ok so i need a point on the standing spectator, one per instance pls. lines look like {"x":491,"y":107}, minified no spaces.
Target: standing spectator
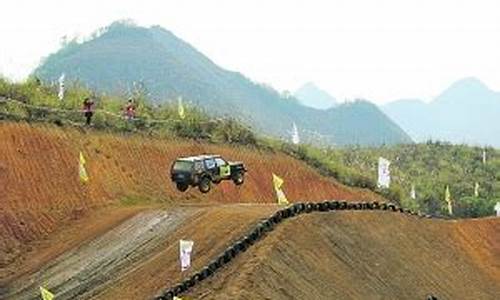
{"x":130,"y":110}
{"x":88,"y":110}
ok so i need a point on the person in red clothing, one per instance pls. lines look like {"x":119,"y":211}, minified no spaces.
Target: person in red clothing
{"x":88,"y":110}
{"x":130,"y":110}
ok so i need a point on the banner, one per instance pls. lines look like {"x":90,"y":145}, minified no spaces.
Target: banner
{"x":484,"y":156}
{"x":476,"y":190}
{"x":186,"y":247}
{"x":384,"y":176}
{"x":61,"y":87}
{"x":295,"y":135}
{"x":413,"y":195}
{"x":82,"y":172}
{"x":182,"y":115}
{"x":497,"y":208}
{"x":46,"y":295}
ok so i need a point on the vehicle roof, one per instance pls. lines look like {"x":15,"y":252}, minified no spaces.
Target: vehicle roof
{"x":198,"y":157}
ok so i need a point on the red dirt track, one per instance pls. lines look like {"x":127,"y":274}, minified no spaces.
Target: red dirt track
{"x":117,"y":237}
{"x":40,"y":189}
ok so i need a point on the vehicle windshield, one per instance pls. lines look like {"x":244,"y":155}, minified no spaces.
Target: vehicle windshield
{"x":183,"y":165}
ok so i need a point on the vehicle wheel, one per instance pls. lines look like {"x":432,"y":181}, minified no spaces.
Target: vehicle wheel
{"x":238,"y":178}
{"x":204,"y":185}
{"x":182,"y":186}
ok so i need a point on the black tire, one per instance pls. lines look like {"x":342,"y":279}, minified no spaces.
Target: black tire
{"x":205,"y":185}
{"x":239,"y":178}
{"x":182,"y":186}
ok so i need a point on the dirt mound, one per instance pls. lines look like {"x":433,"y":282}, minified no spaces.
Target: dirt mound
{"x":332,"y":255}
{"x":139,"y":257}
{"x":365,"y":255}
{"x":40,"y":189}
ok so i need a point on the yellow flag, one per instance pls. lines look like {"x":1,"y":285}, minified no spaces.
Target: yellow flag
{"x":46,"y":295}
{"x":282,"y":200}
{"x":277,"y":182}
{"x":447,"y":198}
{"x":81,"y":170}
{"x":181,"y":109}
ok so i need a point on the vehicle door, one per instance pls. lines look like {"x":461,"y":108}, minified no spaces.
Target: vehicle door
{"x":223,"y":168}
{"x":211,"y":167}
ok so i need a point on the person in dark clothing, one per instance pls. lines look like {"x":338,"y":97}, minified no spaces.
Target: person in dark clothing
{"x":129,"y":110}
{"x":88,"y":110}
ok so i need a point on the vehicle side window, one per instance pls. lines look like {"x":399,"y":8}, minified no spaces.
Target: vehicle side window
{"x":210,"y":163}
{"x":198,"y":166}
{"x":220,"y":162}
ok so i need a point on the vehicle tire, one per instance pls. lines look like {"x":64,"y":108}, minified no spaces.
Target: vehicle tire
{"x":190,"y":282}
{"x":205,"y":185}
{"x":238,"y":178}
{"x":182,"y":186}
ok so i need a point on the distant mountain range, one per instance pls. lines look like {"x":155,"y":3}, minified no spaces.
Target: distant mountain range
{"x":310,"y":95}
{"x":169,"y":67}
{"x":467,"y":112}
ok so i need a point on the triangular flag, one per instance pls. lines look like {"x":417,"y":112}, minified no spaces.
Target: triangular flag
{"x":81,"y":169}
{"x":277,"y":182}
{"x":447,"y":198}
{"x":476,"y":190}
{"x":282,"y":200}
{"x":46,"y":295}
{"x":182,"y":115}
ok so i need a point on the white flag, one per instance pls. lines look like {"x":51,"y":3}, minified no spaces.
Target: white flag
{"x":61,"y":87}
{"x":476,"y":190}
{"x":484,"y":156}
{"x":186,"y":247}
{"x":497,"y":208}
{"x":413,"y":195}
{"x":384,"y":176}
{"x":295,"y":135}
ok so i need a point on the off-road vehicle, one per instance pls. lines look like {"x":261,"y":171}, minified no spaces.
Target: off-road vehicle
{"x":203,"y":170}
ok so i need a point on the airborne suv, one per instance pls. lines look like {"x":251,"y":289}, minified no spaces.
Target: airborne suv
{"x":203,"y":170}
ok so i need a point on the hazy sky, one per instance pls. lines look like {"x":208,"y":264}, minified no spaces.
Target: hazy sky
{"x":380,"y":50}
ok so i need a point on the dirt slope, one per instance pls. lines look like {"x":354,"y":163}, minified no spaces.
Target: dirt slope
{"x":334,"y":255}
{"x":365,"y":255}
{"x":40,"y":189}
{"x":139,"y":257}
{"x":82,"y":242}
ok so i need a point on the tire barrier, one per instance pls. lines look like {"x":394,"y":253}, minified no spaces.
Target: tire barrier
{"x":267,"y":225}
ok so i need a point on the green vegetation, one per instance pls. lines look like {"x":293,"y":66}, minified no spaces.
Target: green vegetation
{"x":429,"y":167}
{"x":38,"y":102}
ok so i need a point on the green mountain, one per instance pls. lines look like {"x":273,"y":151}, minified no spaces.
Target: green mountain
{"x":466,"y":112}
{"x":311,"y":95}
{"x":168,"y":67}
